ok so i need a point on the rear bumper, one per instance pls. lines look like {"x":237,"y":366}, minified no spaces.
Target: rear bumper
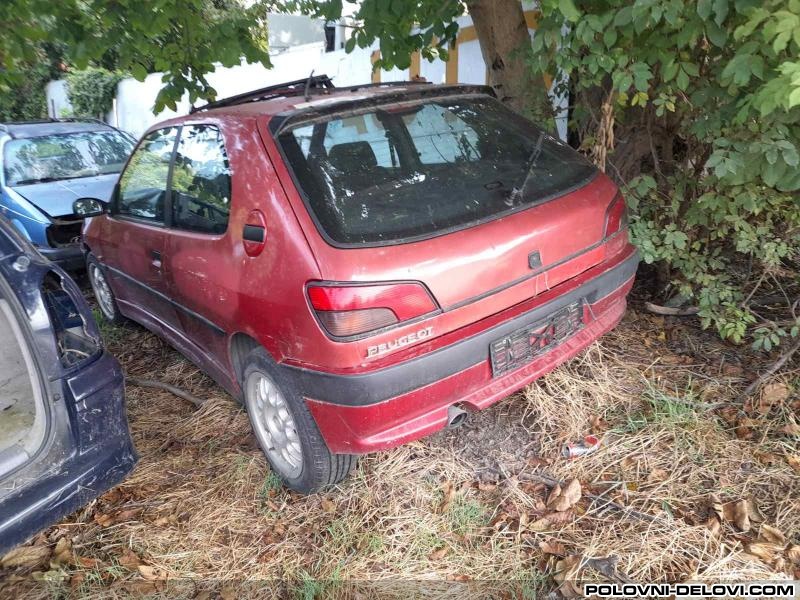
{"x":69,"y":258}
{"x":382,"y":409}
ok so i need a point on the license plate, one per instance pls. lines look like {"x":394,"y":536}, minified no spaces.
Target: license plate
{"x":523,"y":345}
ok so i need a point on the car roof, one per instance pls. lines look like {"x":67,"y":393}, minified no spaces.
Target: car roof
{"x":329,"y":99}
{"x":29,"y":129}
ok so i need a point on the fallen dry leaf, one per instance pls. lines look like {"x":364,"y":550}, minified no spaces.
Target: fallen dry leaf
{"x":439,"y":554}
{"x":766,"y":458}
{"x":76,"y":581}
{"x":563,"y":499}
{"x":772,"y":394}
{"x":127,"y":515}
{"x":714,"y":526}
{"x":130,"y":560}
{"x":103,"y":519}
{"x":766,"y":552}
{"x":142,"y":589}
{"x":559,"y":518}
{"x":328,"y":506}
{"x":740,"y":513}
{"x":771,"y":534}
{"x":62,"y":554}
{"x":26,"y":557}
{"x":744,"y":428}
{"x":566,"y":572}
{"x":731,"y":370}
{"x":794,"y":461}
{"x":113,"y":496}
{"x":228,"y":593}
{"x":539,"y":525}
{"x":754,"y":512}
{"x":597,"y":424}
{"x":448,"y":493}
{"x":151,"y":573}
{"x":657,"y":476}
{"x":89,"y":563}
{"x":552,"y":547}
{"x":790,"y":429}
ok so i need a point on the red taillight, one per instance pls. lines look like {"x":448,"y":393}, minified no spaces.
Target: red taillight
{"x":346,"y":310}
{"x":616,"y":216}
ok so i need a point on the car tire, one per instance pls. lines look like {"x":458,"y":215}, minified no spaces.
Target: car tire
{"x":286,"y":430}
{"x":103,"y":294}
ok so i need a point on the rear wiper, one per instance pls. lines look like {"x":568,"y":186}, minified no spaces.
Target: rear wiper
{"x":518,"y":191}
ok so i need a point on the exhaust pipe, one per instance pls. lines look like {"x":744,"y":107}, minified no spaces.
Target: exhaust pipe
{"x":455,"y":416}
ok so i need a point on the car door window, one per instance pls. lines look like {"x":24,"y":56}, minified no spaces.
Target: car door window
{"x":201,"y":181}
{"x":143,"y":185}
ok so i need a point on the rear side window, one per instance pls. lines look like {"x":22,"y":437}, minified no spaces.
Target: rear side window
{"x":201,"y":181}
{"x":403,"y":172}
{"x":143,"y":184}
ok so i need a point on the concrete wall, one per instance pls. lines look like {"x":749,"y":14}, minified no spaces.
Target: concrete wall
{"x":133,"y":111}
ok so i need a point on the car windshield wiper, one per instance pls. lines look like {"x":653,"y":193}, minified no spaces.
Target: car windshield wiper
{"x":42,"y":180}
{"x":519,"y":191}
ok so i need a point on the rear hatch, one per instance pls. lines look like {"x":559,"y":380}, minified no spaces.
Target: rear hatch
{"x":455,"y":191}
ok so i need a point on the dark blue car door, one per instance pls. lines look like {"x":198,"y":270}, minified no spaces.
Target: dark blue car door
{"x":64,"y":435}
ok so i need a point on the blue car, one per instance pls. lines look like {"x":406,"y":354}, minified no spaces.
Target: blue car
{"x":64,"y":435}
{"x":45,"y":166}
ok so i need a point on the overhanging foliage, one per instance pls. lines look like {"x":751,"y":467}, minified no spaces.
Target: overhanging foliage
{"x":693,"y":106}
{"x":91,"y":91}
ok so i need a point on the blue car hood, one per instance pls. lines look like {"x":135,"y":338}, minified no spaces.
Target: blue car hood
{"x":55,"y":198}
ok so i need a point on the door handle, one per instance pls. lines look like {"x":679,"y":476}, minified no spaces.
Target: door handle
{"x":254,"y":233}
{"x":156,"y":256}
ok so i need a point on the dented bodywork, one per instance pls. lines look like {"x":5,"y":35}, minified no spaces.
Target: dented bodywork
{"x":84,"y":446}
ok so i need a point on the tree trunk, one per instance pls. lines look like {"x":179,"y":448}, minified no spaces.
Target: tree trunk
{"x":503,"y":36}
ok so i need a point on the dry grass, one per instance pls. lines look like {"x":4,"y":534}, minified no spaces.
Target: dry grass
{"x":456,"y":514}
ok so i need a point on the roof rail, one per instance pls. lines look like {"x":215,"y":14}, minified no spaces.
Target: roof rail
{"x":80,"y":120}
{"x":60,"y":120}
{"x":30,"y":122}
{"x":355,"y":88}
{"x":290,"y":88}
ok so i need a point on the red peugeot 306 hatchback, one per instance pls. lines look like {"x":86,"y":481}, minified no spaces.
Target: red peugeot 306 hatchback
{"x":361,"y":266}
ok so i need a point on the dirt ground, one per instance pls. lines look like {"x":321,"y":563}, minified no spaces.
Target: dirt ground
{"x":691,"y":482}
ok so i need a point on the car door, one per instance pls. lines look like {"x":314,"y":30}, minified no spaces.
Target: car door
{"x":136,"y":235}
{"x":64,"y":435}
{"x":201,"y":258}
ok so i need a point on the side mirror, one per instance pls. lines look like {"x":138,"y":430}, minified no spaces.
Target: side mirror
{"x":89,"y":207}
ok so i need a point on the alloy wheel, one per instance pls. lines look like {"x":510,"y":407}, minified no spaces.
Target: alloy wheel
{"x":102,"y":291}
{"x":274,"y":424}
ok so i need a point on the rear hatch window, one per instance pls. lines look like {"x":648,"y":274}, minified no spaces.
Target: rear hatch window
{"x":404,"y":172}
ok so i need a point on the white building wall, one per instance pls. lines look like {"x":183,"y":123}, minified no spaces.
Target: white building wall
{"x":432,"y":71}
{"x":58,"y":104}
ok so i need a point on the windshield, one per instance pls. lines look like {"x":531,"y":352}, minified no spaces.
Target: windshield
{"x":65,"y":156}
{"x":410,"y":171}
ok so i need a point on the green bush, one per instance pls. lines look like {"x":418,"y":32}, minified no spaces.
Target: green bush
{"x":694,"y":106}
{"x":91,"y":91}
{"x":23,"y":98}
